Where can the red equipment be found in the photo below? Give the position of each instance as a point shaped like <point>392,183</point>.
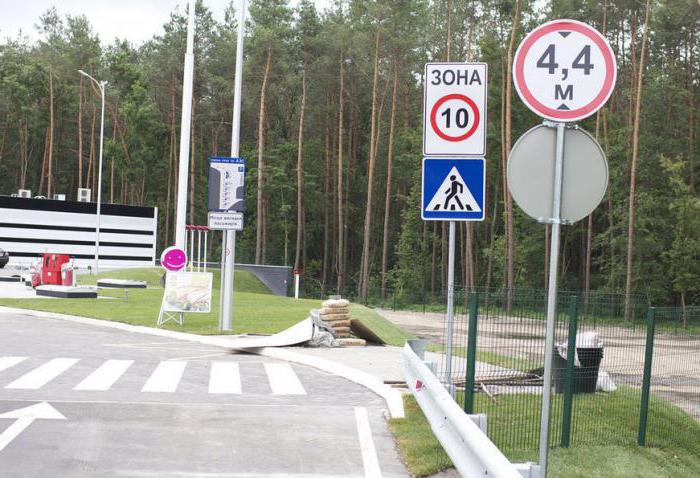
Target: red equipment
<point>54,269</point>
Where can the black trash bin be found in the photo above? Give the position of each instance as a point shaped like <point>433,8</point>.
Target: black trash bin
<point>585,376</point>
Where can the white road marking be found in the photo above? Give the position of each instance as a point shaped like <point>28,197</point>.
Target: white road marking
<point>39,377</point>
<point>24,417</point>
<point>369,453</point>
<point>283,380</point>
<point>105,376</point>
<point>225,378</point>
<point>165,377</point>
<point>7,362</point>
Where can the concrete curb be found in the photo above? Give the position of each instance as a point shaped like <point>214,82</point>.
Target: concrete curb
<point>392,397</point>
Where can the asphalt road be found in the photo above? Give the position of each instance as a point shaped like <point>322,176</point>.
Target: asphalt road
<point>145,406</point>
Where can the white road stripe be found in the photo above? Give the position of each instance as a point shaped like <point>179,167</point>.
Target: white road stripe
<point>105,376</point>
<point>7,362</point>
<point>39,377</point>
<point>283,380</point>
<point>165,377</point>
<point>225,378</point>
<point>369,453</point>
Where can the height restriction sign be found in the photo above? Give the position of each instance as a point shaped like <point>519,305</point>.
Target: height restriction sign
<point>564,70</point>
<point>454,109</point>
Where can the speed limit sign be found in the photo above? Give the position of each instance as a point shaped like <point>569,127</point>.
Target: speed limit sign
<point>454,110</point>
<point>564,70</point>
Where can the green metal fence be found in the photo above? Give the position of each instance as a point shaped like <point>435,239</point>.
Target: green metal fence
<point>498,340</point>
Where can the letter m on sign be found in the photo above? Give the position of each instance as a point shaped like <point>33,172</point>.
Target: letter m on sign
<point>564,93</point>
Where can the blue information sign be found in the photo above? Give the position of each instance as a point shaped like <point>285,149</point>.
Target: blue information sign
<point>453,189</point>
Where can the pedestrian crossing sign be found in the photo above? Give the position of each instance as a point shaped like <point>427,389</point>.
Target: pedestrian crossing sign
<point>453,189</point>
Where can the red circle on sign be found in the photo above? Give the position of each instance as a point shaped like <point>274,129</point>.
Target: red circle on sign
<point>598,40</point>
<point>440,102</point>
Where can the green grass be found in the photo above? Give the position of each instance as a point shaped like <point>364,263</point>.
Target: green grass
<point>244,281</point>
<point>603,437</point>
<point>255,309</point>
<point>388,332</point>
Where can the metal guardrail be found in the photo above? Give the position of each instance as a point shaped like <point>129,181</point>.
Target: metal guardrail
<point>471,451</point>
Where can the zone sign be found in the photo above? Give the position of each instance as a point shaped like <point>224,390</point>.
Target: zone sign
<point>454,109</point>
<point>564,70</point>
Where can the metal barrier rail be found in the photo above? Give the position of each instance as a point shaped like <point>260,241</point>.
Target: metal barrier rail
<point>470,450</point>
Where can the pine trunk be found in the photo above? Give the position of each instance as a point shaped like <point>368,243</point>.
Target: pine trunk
<point>260,226</point>
<point>389,174</point>
<point>339,191</point>
<point>364,271</point>
<point>510,233</point>
<point>633,170</point>
<point>300,173</point>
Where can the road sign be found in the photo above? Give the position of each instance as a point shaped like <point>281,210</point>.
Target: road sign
<point>454,109</point>
<point>226,221</point>
<point>531,173</point>
<point>453,189</point>
<point>226,184</point>
<point>564,70</point>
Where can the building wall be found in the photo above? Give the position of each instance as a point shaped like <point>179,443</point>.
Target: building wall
<point>31,227</point>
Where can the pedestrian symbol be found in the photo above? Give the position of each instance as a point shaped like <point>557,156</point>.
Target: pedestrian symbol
<point>453,195</point>
<point>453,189</point>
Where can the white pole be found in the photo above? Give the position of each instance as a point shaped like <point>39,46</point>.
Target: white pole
<point>551,300</point>
<point>101,85</point>
<point>99,179</point>
<point>185,123</point>
<point>226,319</point>
<point>199,250</point>
<point>450,308</point>
<point>191,250</point>
<point>297,278</point>
<point>206,232</point>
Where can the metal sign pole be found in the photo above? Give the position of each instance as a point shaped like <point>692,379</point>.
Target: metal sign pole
<point>551,298</point>
<point>226,318</point>
<point>185,124</point>
<point>450,307</point>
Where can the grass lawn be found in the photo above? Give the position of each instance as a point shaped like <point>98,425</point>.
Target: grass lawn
<point>603,437</point>
<point>255,309</point>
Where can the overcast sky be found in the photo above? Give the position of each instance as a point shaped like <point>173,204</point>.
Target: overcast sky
<point>135,20</point>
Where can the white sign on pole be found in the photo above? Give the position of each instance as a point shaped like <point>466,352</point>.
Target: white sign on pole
<point>454,109</point>
<point>564,70</point>
<point>226,184</point>
<point>226,221</point>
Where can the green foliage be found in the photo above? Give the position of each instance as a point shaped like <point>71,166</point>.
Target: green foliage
<point>144,101</point>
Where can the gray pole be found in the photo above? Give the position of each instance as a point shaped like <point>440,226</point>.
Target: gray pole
<point>99,180</point>
<point>551,298</point>
<point>101,85</point>
<point>185,124</point>
<point>226,318</point>
<point>450,307</point>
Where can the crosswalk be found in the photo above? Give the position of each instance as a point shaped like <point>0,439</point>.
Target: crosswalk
<point>224,377</point>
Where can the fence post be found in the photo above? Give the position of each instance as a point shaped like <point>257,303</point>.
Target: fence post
<point>569,378</point>
<point>471,353</point>
<point>646,384</point>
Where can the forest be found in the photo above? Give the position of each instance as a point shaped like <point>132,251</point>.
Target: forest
<point>332,135</point>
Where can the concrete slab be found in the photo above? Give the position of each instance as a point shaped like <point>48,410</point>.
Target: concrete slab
<point>66,292</point>
<point>121,284</point>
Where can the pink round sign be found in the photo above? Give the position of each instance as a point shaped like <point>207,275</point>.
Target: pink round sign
<point>173,259</point>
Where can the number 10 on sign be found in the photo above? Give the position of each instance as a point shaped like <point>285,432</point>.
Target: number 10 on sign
<point>454,110</point>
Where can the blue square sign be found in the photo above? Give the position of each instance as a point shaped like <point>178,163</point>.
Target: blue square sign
<point>453,189</point>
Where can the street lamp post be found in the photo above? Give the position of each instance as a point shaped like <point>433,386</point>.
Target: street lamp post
<point>101,85</point>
